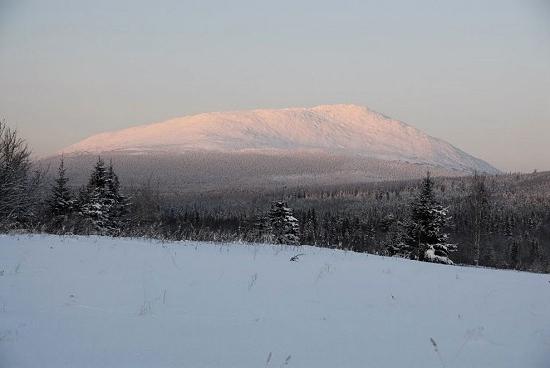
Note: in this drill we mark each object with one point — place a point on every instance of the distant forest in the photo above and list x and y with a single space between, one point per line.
506 216
498 221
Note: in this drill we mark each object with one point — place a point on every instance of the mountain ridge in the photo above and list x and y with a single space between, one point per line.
341 129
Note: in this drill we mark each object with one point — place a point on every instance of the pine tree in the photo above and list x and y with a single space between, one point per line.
310 228
284 226
95 202
118 202
424 236
61 204
98 178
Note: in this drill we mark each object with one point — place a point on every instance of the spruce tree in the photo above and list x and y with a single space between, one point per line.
61 203
96 204
310 228
284 226
424 237
98 178
118 202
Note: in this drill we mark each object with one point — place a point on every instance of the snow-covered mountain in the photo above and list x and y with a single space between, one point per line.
343 130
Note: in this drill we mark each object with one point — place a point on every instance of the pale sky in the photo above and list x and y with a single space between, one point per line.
475 73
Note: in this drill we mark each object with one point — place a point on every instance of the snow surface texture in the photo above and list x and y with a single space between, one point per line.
103 302
335 129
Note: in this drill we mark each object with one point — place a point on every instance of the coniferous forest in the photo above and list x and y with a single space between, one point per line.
500 221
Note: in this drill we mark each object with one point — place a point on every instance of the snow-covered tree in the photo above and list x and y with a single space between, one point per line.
95 203
440 250
261 229
310 227
118 202
17 185
61 203
283 225
101 203
424 236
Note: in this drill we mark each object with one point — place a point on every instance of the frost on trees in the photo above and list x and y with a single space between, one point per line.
283 225
424 238
96 204
61 204
119 203
17 184
101 202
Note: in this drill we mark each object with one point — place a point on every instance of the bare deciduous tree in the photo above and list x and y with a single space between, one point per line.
16 181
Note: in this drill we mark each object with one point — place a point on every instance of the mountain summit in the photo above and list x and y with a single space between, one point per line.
344 130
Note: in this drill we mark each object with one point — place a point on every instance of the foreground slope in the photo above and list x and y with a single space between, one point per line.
343 130
102 302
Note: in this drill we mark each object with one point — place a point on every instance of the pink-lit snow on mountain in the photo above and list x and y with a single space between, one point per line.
339 129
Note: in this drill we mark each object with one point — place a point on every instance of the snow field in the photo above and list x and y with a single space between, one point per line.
105 302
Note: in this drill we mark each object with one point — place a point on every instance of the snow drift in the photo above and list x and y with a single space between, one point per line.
346 130
103 302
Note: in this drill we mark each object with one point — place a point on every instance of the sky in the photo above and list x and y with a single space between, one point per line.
475 73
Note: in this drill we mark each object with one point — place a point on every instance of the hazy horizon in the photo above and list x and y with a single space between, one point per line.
474 74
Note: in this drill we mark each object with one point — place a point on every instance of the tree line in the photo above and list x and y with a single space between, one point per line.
498 221
494 221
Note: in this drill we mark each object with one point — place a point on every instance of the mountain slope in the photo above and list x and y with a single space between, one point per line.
344 130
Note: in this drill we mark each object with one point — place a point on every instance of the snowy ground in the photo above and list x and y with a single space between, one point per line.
102 302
